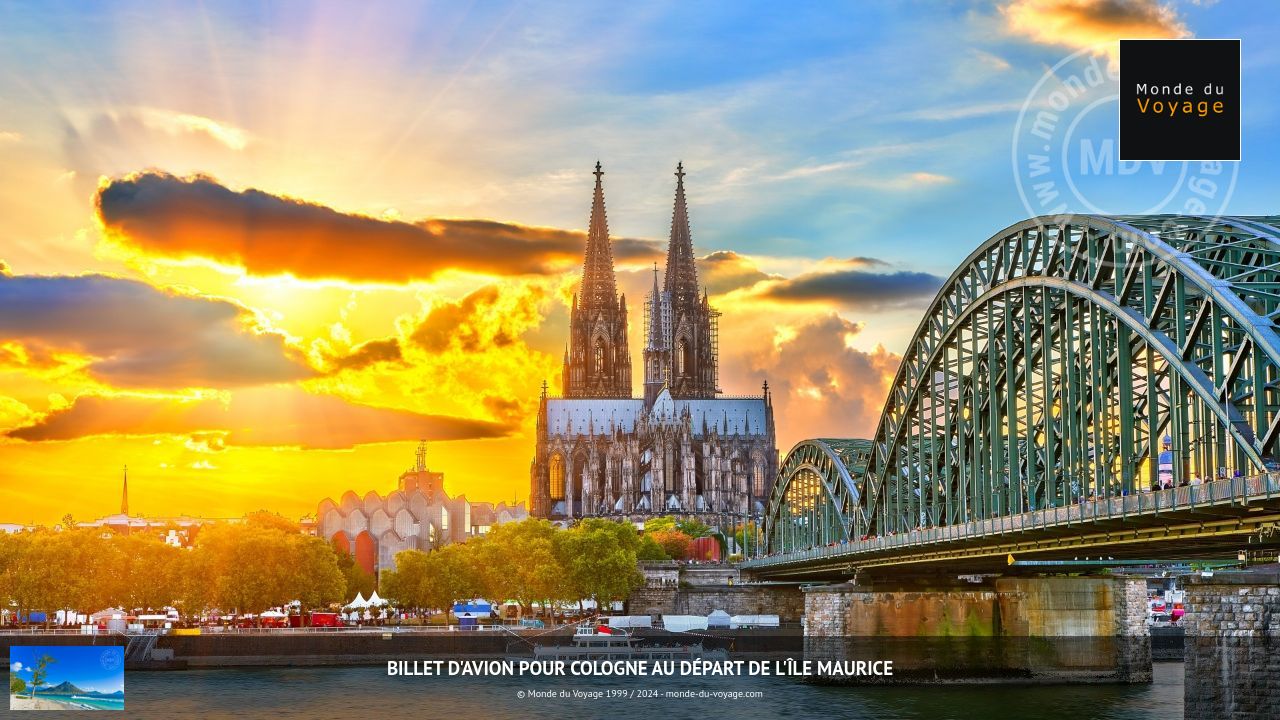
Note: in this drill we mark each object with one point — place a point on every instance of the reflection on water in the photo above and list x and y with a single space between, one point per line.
356 692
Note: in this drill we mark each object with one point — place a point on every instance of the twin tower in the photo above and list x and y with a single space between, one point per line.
680 449
680 328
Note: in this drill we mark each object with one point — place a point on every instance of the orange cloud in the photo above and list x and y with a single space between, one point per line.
822 387
271 416
182 218
1081 24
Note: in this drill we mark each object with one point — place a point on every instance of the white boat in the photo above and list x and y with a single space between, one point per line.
600 642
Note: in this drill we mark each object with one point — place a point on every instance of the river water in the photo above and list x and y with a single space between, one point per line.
347 693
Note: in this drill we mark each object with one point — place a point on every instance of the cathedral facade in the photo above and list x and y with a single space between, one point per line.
679 449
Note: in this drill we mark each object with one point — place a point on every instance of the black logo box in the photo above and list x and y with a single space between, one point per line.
1187 68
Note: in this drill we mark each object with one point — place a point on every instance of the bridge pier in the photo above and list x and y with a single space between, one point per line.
1233 645
1014 629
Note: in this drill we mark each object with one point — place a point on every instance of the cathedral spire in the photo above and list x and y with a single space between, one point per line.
682 273
124 496
599 288
596 361
655 341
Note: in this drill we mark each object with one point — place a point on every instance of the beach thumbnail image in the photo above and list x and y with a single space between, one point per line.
66 677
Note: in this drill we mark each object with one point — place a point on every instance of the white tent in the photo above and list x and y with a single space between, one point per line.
684 623
359 602
273 614
375 601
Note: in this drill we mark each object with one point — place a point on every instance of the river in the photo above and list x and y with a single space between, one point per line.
346 693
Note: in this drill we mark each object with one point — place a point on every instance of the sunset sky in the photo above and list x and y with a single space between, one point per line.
255 251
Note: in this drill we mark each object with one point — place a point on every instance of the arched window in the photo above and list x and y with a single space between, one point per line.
557 478
757 479
682 358
600 366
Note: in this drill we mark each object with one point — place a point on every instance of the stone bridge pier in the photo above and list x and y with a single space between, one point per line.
1009 629
1232 646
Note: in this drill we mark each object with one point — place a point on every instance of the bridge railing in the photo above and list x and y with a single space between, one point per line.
1227 491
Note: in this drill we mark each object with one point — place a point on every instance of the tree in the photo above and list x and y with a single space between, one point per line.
250 566
651 551
451 576
317 581
142 572
16 684
599 559
519 562
674 543
354 577
40 672
747 537
405 583
271 521
694 528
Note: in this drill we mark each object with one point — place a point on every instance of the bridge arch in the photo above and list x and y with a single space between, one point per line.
816 499
1072 357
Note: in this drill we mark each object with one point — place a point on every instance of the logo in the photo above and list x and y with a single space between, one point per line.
1180 99
1066 154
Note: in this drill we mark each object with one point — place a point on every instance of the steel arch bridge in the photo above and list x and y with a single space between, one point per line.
1067 363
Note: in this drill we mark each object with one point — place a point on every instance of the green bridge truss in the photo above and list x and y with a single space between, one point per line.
1054 367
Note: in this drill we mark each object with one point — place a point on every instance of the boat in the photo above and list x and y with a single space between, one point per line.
601 642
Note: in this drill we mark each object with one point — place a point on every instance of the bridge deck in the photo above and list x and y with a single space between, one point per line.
1178 523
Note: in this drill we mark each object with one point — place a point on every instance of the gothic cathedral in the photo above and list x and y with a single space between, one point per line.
680 449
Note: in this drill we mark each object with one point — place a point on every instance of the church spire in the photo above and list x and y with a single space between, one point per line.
124 497
655 341
599 287
682 274
596 362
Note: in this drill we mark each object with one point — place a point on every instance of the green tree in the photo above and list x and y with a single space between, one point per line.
317 580
141 572
40 672
250 566
694 528
406 582
599 559
519 563
452 576
650 550
16 684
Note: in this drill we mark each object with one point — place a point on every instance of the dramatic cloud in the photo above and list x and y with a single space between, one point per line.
180 218
365 355
135 335
856 288
726 270
468 357
274 416
822 386
486 319
1080 24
